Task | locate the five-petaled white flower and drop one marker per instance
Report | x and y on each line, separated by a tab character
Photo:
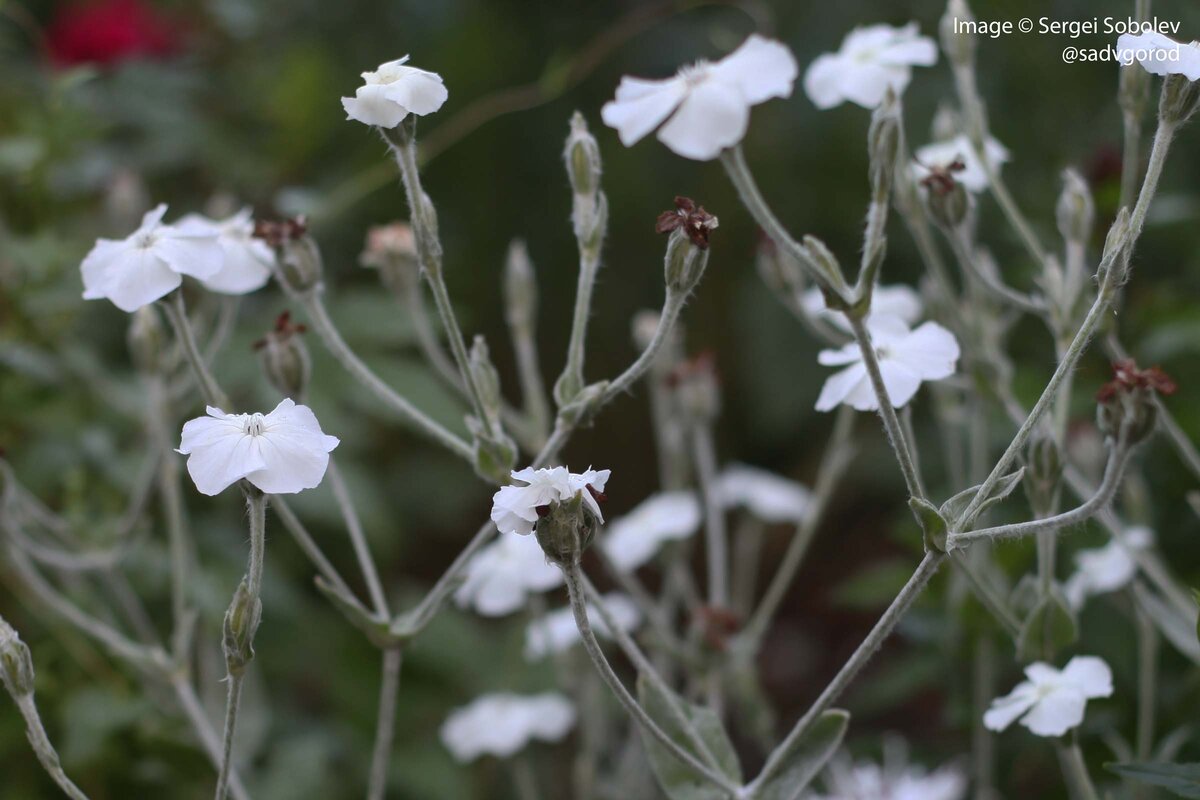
392	92
895	779
515	508
282	452
502	724
768	496
151	262
888	301
556	631
906	358
500	575
708	103
1052	702
1159	54
871	61
247	263
957	158
632	540
1105	569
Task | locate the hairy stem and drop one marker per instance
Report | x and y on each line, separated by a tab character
385	726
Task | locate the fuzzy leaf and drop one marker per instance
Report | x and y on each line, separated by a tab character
678	780
807	757
933	524
956	505
1183	780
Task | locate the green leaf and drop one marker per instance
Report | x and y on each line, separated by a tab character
1050	627
1181	779
804	759
956	505
679	781
933	524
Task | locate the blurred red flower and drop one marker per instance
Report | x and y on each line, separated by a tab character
108	31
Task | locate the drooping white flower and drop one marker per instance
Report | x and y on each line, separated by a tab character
1052	702
282	452
502	724
247	263
708	105
515	508
871	61
890	301
1105	569
896	779
906	358
149	263
1159	54
392	92
768	496
502	574
556	631
632	540
959	152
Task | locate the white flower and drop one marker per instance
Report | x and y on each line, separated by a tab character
247	262
870	61
500	575
138	270
906	358
973	175
896	779
768	496
1160	54
392	92
515	508
1054	700
556	631
710	103
632	540
282	452
502	724
1105	569
890	301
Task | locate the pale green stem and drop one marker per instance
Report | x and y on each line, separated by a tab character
169	490
961	245
589	264
358	539
385	725
176	312
194	711
983	742
46	754
987	596
716	536
1076	773
1147	639
232	701
308	545
525	778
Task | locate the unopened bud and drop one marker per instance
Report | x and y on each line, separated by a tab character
16	664
495	454
1134	91
684	263
567	529
883	145
833	282
1043	472
1126	407
1076	210
780	271
241	623
695	388
948	205
582	157
520	287
145	338
958	40
486	380
298	258
284	358
392	250
1180	98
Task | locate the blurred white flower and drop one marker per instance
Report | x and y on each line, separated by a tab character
906	358
768	496
282	452
1105	569
502	724
515	508
957	157
392	92
247	263
896	779
889	301
708	103
500	575
632	540
1159	54
1052	702
870	61
140	269
556	631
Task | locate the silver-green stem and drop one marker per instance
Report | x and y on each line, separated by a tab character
46	754
358	539
589	264
961	245
983	743
716	537
1076	773
177	314
185	693
385	725
308	545
1147	645
672	304
178	538
232	702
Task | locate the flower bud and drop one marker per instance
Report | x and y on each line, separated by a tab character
486	380
695	389
566	530
16	664
1134	91
495	454
829	270
883	145
520	287
948	205
1126	409
392	250
1076	211
241	623
957	42
1043	472
145	339
684	263
284	358
582	157
1180	98
779	270
299	266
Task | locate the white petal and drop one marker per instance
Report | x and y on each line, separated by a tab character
372	106
1056	713
632	540
711	118
823	81
841	385
198	255
930	351
921	52
641	106
96	266
760	68
294	451
849	353
220	453
502	724
246	268
1090	675
138	278
899	381
768	496
867	84
1006	709
418	91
